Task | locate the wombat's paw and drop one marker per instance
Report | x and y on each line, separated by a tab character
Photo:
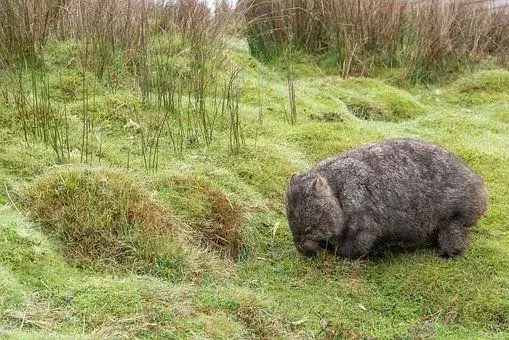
445	256
452	252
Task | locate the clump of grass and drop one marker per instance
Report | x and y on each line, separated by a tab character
214	218
257	316
102	217
67	85
333	116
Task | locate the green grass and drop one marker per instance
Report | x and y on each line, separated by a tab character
267	289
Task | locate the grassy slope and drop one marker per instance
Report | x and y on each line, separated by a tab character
272	291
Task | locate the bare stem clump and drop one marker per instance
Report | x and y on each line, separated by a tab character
173	50
417	35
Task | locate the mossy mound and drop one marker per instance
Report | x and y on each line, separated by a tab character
102	216
373	99
485	87
213	217
265	168
318	140
491	81
35	158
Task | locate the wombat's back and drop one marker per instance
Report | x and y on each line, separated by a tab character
408	186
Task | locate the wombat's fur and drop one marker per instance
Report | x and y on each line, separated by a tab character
401	192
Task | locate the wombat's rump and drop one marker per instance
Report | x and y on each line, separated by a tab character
402	192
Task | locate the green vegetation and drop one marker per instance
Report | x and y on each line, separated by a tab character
94	264
140	200
214	217
362	97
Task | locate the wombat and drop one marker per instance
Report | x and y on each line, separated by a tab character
401	192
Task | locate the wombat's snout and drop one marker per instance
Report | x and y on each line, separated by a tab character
308	248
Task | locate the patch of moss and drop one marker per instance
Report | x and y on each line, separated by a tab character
319	103
12	292
263	168
324	140
485	87
22	160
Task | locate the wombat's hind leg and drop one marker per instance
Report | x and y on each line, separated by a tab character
453	239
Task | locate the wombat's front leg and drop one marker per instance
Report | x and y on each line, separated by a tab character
453	239
357	244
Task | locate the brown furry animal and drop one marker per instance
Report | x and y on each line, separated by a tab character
403	192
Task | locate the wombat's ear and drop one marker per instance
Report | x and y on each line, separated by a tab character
294	177
320	186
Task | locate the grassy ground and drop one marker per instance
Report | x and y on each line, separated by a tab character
265	289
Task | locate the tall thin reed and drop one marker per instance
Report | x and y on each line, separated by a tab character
41	119
233	94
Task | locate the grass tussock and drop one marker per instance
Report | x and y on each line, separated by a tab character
99	216
213	217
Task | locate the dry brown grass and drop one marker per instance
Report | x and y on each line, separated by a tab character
105	26
418	35
25	26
